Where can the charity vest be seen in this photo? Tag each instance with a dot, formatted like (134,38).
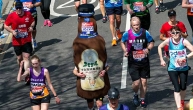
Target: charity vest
(38,87)
(135,46)
(177,51)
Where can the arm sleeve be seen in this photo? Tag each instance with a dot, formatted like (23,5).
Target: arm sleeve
(126,2)
(8,20)
(149,37)
(124,37)
(162,29)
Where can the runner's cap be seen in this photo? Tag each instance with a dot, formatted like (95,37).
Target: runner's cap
(18,4)
(113,93)
(171,13)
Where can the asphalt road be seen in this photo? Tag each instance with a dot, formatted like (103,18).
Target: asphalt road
(55,51)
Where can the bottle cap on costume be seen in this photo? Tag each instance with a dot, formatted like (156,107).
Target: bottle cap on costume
(86,10)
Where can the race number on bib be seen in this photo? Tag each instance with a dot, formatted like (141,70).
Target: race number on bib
(22,33)
(91,66)
(26,5)
(37,90)
(137,6)
(87,27)
(139,55)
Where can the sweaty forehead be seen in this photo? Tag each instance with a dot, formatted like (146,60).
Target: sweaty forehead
(135,22)
(34,60)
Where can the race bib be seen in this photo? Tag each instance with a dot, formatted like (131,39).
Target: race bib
(87,27)
(137,6)
(91,66)
(37,90)
(138,55)
(137,46)
(114,1)
(22,33)
(26,5)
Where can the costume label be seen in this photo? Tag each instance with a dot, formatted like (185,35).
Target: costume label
(137,6)
(91,66)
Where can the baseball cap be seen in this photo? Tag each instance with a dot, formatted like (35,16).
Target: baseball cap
(113,93)
(171,13)
(18,4)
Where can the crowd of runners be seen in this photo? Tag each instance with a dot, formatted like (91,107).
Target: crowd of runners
(136,44)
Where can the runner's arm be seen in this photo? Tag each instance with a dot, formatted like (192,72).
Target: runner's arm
(184,34)
(162,37)
(189,46)
(75,71)
(37,4)
(49,82)
(185,4)
(22,77)
(8,28)
(161,46)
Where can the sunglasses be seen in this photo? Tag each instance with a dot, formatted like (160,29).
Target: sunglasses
(177,32)
(18,7)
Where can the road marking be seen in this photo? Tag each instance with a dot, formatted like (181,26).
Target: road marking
(125,59)
(53,13)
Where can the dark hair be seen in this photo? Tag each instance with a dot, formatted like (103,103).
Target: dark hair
(176,28)
(35,57)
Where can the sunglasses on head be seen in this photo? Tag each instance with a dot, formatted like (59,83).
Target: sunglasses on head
(18,7)
(177,32)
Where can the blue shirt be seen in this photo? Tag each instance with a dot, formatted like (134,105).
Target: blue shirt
(113,3)
(125,36)
(27,2)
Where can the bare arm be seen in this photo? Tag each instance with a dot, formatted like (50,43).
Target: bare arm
(75,71)
(184,34)
(47,75)
(124,49)
(162,37)
(20,76)
(8,28)
(190,47)
(185,4)
(160,51)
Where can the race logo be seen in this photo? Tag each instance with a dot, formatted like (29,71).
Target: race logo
(137,6)
(91,66)
(138,55)
(137,46)
(26,19)
(87,27)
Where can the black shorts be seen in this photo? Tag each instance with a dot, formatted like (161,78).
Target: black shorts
(139,72)
(27,48)
(91,100)
(114,10)
(41,100)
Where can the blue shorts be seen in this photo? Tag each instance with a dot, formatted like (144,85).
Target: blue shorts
(114,10)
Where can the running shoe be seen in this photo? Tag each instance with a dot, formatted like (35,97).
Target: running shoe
(114,42)
(162,8)
(136,100)
(35,44)
(157,10)
(104,19)
(143,104)
(49,23)
(45,22)
(119,35)
(27,80)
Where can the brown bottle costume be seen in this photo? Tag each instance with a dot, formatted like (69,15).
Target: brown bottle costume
(90,58)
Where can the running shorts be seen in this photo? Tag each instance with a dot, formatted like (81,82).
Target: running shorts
(114,10)
(27,48)
(45,99)
(139,72)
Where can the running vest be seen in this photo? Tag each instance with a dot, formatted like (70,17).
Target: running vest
(38,87)
(190,10)
(135,46)
(177,51)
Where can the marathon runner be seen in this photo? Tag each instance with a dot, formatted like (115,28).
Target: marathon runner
(136,44)
(189,5)
(30,5)
(21,23)
(1,17)
(102,8)
(113,98)
(45,10)
(114,10)
(178,66)
(165,31)
(140,9)
(39,94)
(90,59)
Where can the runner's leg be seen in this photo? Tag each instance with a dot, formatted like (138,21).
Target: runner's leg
(190,20)
(183,84)
(36,107)
(45,10)
(44,106)
(76,3)
(118,12)
(102,8)
(143,88)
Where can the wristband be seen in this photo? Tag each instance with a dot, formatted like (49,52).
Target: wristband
(56,96)
(148,49)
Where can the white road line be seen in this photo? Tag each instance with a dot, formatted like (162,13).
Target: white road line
(125,59)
